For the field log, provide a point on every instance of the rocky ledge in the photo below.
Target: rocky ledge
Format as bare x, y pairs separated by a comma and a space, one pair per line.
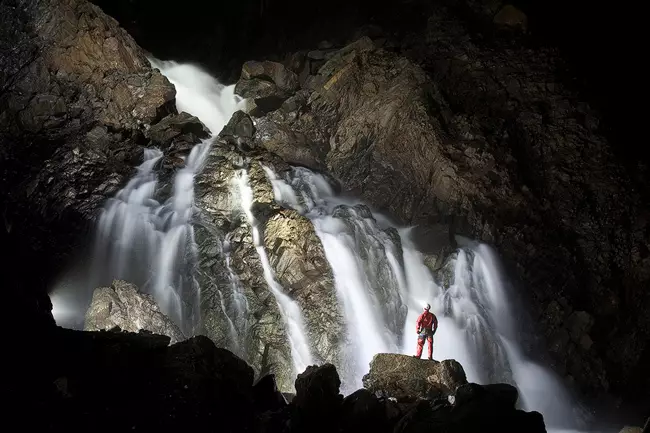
122, 381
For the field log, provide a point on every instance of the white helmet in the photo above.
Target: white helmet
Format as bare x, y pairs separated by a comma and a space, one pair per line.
427, 307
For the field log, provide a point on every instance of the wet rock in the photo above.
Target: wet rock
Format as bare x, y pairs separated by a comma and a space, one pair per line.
123, 306
292, 146
178, 131
284, 79
268, 84
239, 132
403, 377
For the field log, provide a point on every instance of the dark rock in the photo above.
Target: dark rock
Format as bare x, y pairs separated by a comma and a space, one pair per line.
268, 84
404, 377
255, 88
499, 395
362, 411
266, 396
123, 306
469, 416
177, 130
317, 400
284, 79
511, 17
239, 125
108, 376
292, 146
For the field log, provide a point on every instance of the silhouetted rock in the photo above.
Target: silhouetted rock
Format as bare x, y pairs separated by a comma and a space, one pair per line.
266, 396
404, 378
363, 411
318, 401
137, 382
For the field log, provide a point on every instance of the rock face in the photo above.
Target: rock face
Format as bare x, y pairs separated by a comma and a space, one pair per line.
77, 93
123, 306
403, 377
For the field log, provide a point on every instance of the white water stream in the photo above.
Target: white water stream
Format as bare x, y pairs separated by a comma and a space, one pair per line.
289, 309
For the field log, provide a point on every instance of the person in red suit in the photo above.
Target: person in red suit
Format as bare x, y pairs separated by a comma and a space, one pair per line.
426, 326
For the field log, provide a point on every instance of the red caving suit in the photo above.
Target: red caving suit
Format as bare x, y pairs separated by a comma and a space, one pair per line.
426, 326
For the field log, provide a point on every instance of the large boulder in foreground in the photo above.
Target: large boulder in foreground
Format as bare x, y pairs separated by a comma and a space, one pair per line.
477, 409
120, 381
405, 378
122, 305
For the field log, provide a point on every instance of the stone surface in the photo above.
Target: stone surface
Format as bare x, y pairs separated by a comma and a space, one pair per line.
122, 305
404, 377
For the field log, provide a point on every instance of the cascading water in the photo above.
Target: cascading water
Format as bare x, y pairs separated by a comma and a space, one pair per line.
151, 243
475, 316
289, 310
363, 259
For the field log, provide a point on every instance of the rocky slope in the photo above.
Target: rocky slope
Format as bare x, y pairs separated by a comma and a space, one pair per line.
118, 381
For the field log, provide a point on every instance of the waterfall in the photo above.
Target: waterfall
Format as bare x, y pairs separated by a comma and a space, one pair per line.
289, 310
364, 261
374, 279
151, 242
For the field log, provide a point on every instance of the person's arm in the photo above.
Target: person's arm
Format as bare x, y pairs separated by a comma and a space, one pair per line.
418, 324
435, 323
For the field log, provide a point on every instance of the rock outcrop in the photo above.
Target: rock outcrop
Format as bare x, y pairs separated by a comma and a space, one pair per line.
122, 305
403, 377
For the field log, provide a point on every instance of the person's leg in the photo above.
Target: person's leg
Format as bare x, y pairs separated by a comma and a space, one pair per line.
420, 346
430, 344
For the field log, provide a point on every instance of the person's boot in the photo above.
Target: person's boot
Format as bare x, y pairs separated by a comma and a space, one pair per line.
416, 357
430, 358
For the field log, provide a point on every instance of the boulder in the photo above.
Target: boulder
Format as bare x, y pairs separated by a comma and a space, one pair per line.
268, 84
122, 305
476, 409
266, 396
363, 411
177, 131
404, 377
106, 376
318, 402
